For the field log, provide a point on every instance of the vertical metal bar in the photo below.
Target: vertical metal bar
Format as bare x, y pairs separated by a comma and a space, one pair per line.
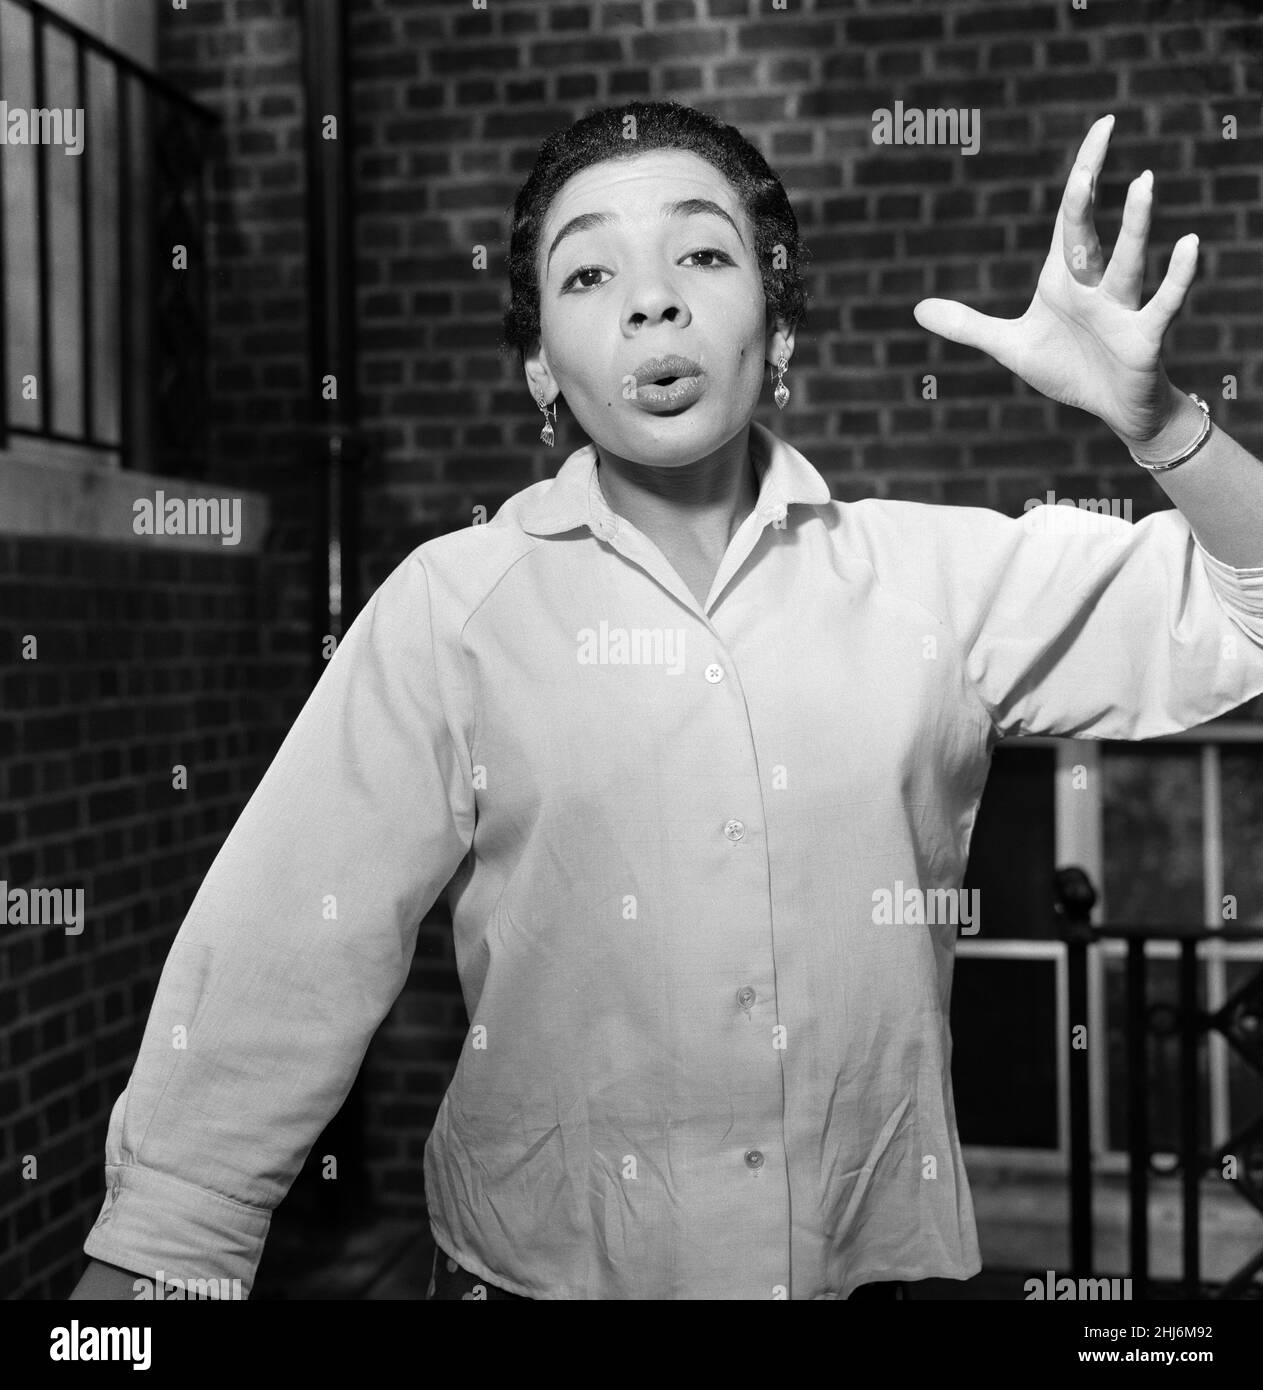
1213, 951
41, 240
86, 340
123, 106
319, 82
332, 351
1137, 1119
1190, 1115
322, 619
1080, 1134
346, 320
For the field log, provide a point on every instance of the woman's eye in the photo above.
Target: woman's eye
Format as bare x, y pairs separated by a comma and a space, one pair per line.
577, 282
583, 270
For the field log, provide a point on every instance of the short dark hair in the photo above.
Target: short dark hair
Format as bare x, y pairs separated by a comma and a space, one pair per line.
659, 125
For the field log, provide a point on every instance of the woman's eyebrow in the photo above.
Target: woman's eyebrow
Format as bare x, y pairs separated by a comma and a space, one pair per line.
683, 207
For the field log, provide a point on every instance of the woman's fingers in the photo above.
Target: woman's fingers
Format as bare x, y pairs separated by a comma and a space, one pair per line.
1170, 294
1095, 143
1125, 274
1074, 228
1080, 245
958, 322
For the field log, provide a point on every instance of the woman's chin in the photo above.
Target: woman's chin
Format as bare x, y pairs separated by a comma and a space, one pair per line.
667, 440
680, 436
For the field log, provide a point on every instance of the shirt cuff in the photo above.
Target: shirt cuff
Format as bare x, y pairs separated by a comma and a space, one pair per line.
1240, 591
159, 1226
1254, 574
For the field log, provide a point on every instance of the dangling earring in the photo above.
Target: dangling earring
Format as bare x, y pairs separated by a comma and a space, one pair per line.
546, 434
781, 394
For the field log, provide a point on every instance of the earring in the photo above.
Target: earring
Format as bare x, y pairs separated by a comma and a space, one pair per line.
546, 434
781, 394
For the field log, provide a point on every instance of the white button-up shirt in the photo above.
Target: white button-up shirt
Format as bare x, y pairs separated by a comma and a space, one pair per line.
702, 1062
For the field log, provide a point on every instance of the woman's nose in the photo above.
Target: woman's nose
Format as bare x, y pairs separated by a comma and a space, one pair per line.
655, 299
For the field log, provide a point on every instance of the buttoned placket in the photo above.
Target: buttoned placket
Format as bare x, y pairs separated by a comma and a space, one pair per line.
630, 542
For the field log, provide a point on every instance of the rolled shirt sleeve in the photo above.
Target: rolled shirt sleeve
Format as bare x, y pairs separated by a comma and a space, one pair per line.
296, 945
1095, 628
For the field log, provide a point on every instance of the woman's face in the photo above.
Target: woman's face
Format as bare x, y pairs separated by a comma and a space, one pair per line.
643, 279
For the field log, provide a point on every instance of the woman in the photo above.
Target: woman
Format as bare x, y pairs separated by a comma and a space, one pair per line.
667, 731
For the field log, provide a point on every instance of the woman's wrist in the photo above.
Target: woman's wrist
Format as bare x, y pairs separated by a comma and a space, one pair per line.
1181, 428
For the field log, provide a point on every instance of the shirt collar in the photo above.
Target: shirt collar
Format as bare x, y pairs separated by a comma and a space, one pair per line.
574, 497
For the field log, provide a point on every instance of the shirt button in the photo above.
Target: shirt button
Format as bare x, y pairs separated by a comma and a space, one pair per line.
754, 1159
746, 996
734, 830
714, 673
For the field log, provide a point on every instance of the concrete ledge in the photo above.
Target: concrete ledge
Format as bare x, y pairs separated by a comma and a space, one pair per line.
53, 491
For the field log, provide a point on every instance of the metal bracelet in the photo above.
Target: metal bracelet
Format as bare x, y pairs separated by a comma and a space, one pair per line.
1192, 448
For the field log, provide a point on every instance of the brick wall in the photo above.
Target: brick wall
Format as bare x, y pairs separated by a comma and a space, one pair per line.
146, 659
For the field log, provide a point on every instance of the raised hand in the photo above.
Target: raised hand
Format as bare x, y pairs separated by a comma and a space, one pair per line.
1085, 340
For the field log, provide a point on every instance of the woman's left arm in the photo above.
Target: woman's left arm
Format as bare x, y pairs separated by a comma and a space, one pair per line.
1085, 340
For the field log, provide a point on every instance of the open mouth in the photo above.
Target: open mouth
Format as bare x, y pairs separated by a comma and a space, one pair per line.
666, 371
668, 394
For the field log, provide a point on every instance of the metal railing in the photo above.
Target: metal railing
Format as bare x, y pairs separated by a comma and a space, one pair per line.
1239, 1020
157, 141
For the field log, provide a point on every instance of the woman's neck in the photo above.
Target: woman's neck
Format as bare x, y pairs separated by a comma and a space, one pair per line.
696, 505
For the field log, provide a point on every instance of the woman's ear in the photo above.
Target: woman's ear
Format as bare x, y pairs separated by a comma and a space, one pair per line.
780, 343
539, 378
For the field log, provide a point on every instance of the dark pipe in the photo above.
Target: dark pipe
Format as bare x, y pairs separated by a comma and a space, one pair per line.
333, 452
1074, 898
1138, 1118
1190, 1109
